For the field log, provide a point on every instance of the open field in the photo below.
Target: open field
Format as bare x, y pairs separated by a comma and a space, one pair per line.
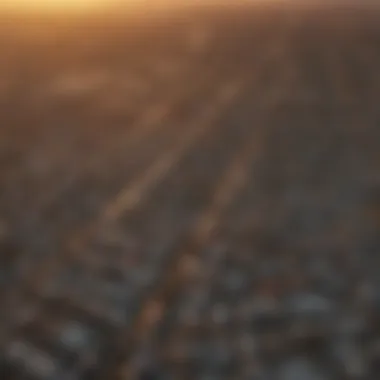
194, 196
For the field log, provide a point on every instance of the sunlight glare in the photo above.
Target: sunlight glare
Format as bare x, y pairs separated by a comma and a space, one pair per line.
53, 5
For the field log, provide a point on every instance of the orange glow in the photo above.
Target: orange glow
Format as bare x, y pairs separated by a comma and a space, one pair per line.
57, 6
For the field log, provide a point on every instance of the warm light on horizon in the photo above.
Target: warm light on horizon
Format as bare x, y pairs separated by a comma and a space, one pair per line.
83, 7
87, 6
56, 5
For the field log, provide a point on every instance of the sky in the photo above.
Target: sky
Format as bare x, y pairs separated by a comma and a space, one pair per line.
62, 6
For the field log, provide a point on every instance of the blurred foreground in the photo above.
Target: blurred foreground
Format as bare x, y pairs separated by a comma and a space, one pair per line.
191, 197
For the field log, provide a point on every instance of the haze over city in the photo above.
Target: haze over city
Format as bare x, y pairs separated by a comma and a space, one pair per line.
189, 190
